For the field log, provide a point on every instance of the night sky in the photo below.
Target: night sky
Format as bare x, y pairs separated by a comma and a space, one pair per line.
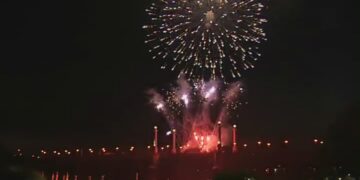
75, 73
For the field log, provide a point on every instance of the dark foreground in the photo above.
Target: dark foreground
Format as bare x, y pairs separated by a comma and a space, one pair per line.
246, 164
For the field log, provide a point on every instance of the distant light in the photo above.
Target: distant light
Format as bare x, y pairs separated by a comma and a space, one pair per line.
259, 142
234, 126
268, 144
316, 140
275, 170
132, 148
103, 149
219, 122
267, 170
77, 150
148, 147
18, 150
245, 145
167, 146
321, 142
286, 142
117, 148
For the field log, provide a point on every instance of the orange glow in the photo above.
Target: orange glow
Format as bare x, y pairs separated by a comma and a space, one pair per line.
202, 140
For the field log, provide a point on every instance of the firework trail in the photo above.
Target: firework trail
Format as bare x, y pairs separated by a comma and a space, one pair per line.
205, 39
194, 108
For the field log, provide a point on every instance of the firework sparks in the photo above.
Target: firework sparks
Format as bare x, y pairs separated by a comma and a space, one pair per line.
160, 106
168, 133
210, 92
204, 38
193, 115
185, 98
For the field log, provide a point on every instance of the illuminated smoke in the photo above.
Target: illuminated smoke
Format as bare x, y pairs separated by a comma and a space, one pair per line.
193, 108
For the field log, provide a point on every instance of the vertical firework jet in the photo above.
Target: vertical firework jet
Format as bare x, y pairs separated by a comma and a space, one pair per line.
194, 108
206, 38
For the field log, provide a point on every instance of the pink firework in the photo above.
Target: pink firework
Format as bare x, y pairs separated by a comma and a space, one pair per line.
193, 108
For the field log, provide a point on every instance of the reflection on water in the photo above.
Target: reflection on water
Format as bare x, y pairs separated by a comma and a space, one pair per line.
67, 176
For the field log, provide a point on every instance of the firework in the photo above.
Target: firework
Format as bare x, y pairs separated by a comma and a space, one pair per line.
206, 38
195, 108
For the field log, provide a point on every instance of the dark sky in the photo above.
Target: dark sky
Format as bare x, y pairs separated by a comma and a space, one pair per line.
75, 73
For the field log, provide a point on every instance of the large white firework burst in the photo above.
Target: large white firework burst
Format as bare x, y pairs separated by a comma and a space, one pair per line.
206, 38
